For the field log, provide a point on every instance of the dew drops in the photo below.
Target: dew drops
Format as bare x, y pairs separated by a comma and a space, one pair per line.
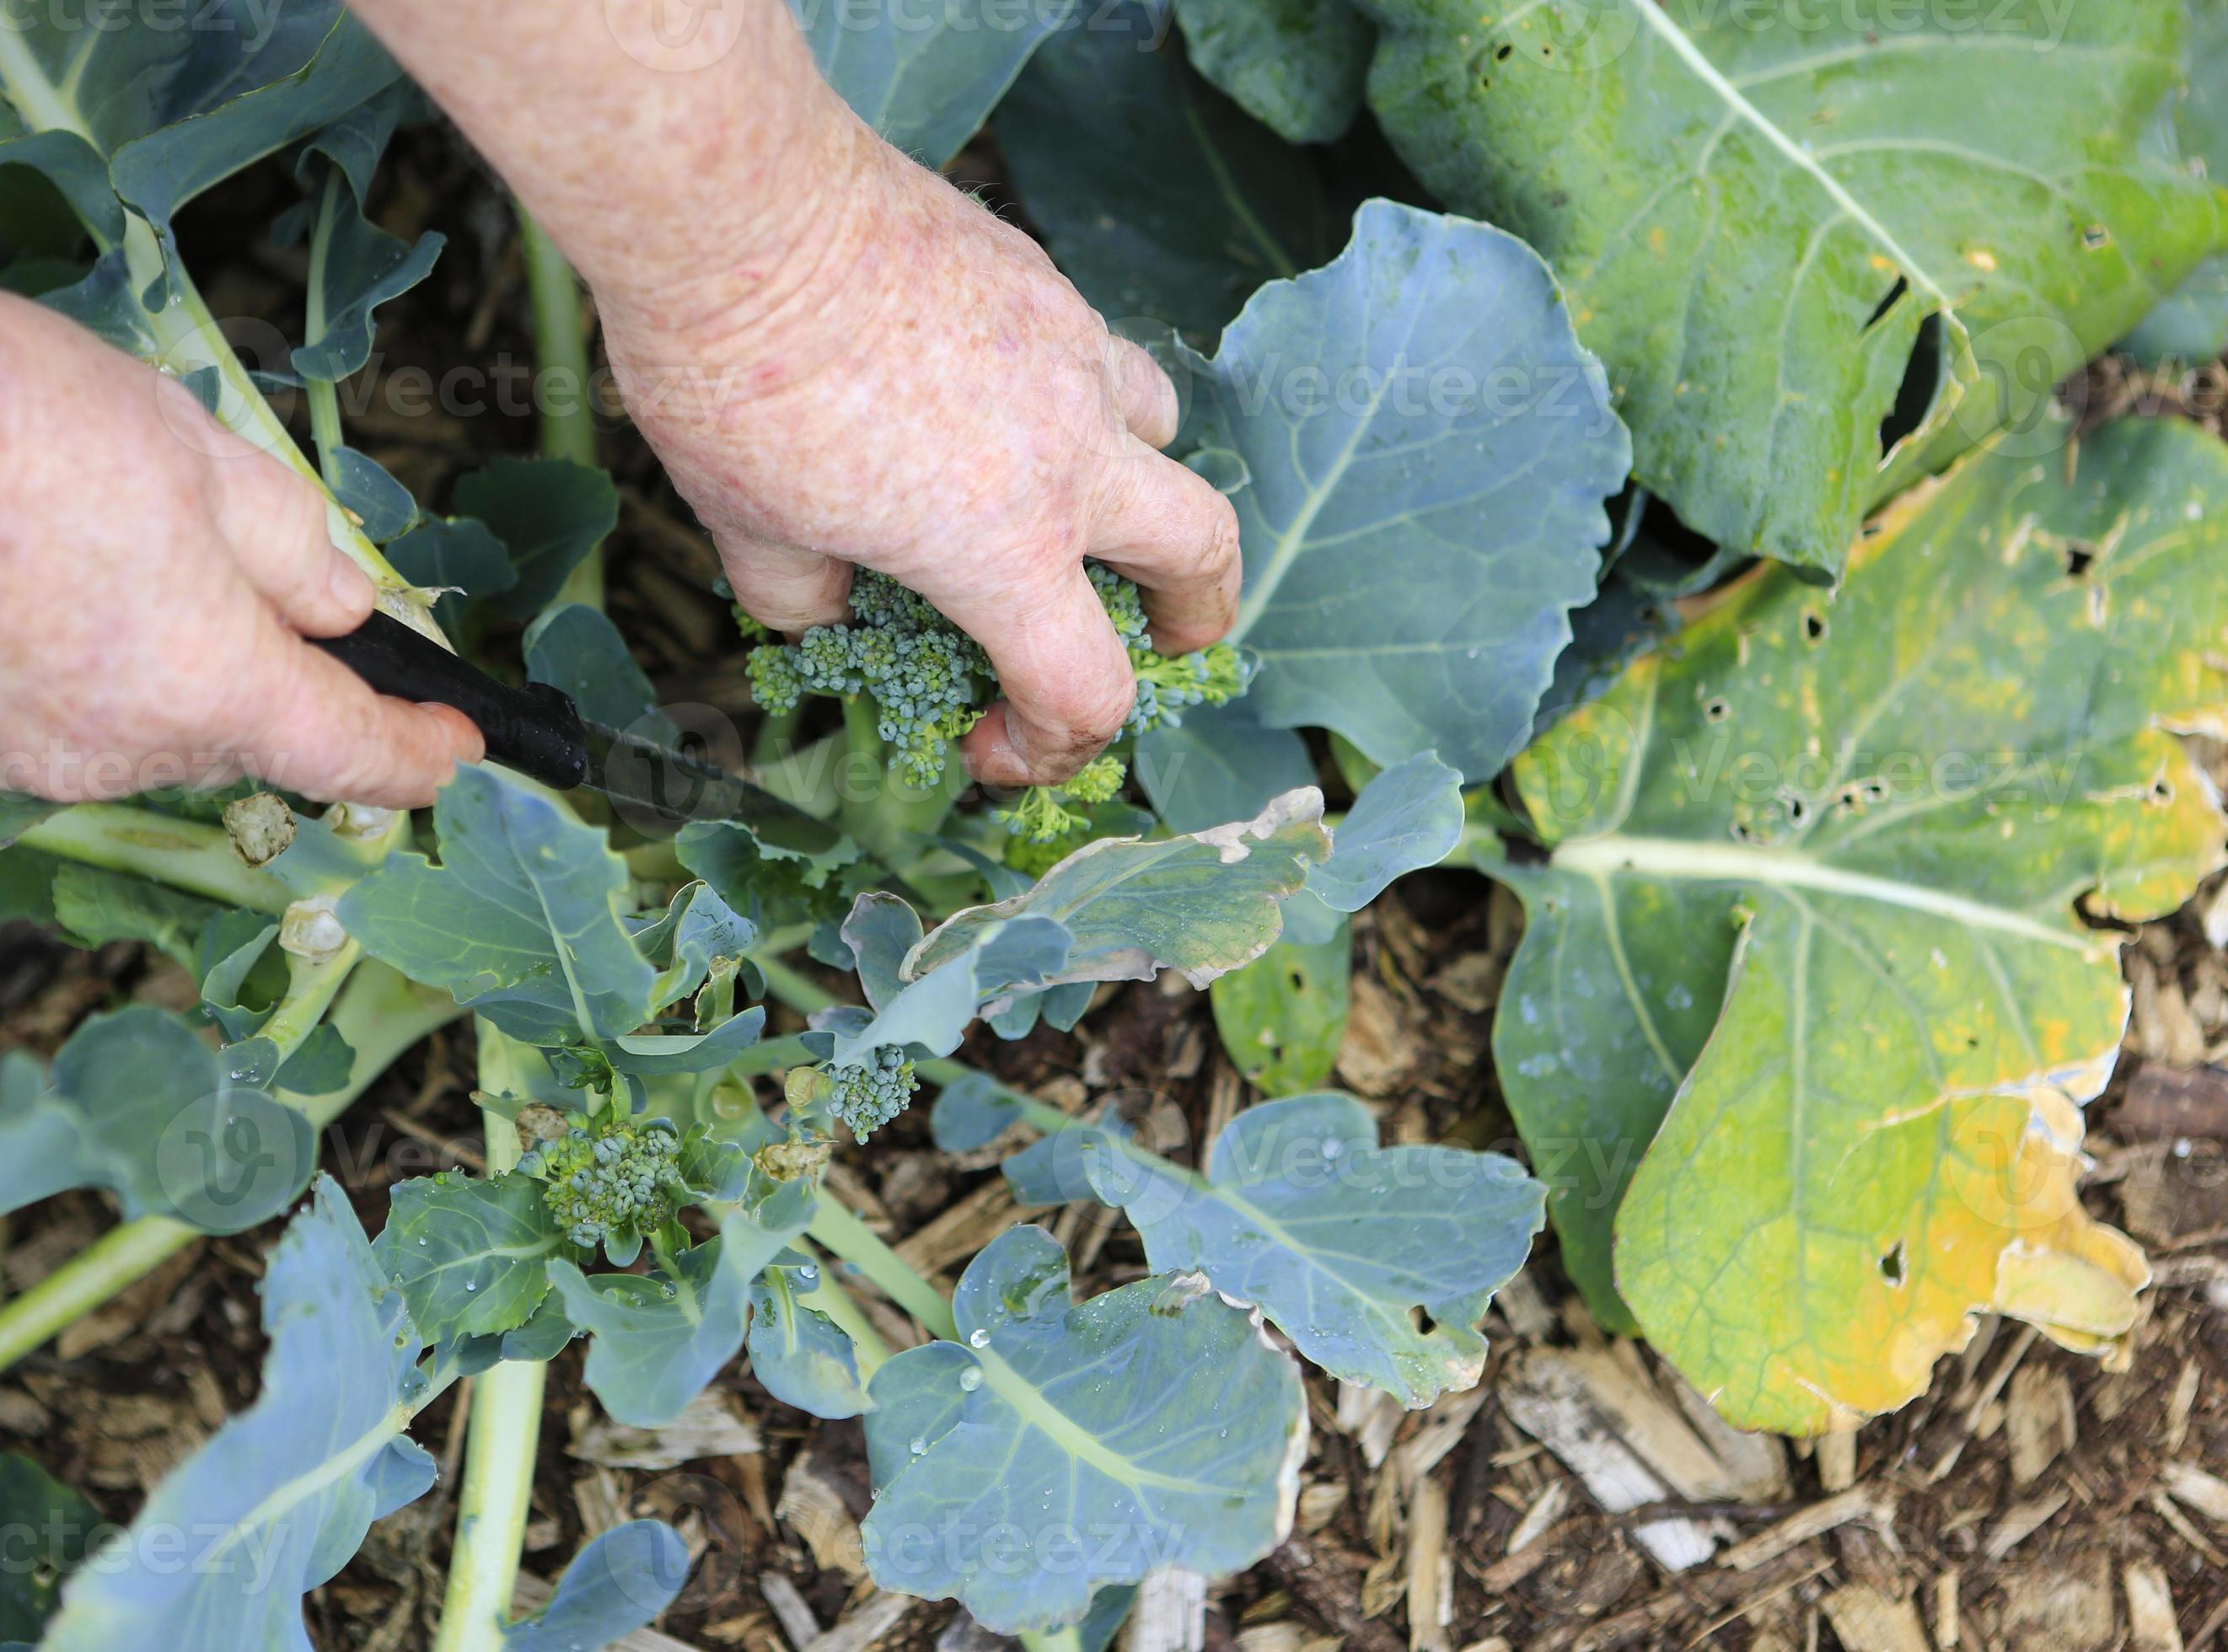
917, 1446
471, 1284
978, 1338
1333, 1148
808, 1275
970, 1380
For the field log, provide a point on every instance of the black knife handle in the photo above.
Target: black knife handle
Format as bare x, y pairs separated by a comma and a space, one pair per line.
535, 730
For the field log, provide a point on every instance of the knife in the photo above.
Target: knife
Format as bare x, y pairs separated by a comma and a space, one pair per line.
539, 731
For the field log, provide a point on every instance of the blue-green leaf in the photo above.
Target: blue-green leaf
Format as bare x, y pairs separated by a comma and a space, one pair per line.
470, 1257
549, 514
363, 484
1156, 196
1201, 904
1430, 449
1058, 1448
457, 556
1409, 817
973, 1113
1220, 763
926, 80
138, 1105
1283, 1018
796, 1350
934, 1009
576, 648
361, 267
34, 1501
618, 1585
1337, 1239
520, 921
284, 1491
660, 1338
2192, 325
1298, 66
98, 906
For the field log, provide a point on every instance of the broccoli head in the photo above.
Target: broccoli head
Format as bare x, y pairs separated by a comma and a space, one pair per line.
609, 1182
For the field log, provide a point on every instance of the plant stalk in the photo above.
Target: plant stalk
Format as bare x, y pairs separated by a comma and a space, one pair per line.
841, 1232
187, 855
561, 385
504, 1433
379, 1013
324, 398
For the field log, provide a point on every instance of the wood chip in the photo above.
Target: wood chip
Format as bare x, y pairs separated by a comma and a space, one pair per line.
1868, 1621
1431, 1572
2061, 1607
2179, 1406
1169, 1613
963, 1229
2205, 1493
812, 1505
1369, 1417
2170, 1511
2163, 1106
2038, 1421
1546, 1509
1837, 1461
1946, 1629
1875, 1505
1441, 1430
1545, 1392
711, 1427
798, 1625
2151, 1621
2021, 1521
869, 1621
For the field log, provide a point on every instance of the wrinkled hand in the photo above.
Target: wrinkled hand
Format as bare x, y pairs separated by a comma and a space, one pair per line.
910, 386
157, 575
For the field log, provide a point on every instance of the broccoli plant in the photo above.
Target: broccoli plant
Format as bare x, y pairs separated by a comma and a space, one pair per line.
1811, 985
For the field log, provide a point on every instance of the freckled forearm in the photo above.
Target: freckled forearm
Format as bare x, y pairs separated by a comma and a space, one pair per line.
657, 141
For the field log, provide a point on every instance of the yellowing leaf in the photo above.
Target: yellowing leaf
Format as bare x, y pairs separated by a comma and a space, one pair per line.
1815, 906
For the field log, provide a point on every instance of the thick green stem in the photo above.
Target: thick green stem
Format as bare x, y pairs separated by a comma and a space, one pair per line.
561, 386
187, 855
1058, 1640
324, 398
379, 1013
838, 1229
504, 1432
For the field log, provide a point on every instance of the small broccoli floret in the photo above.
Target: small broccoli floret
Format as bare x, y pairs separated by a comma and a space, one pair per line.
866, 1095
931, 682
1042, 815
610, 1182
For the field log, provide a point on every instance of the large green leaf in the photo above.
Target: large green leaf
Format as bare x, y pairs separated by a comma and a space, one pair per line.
578, 648
1824, 872
1158, 198
137, 1104
33, 1500
354, 267
1297, 65
1430, 450
796, 1351
661, 1337
1340, 1242
2192, 325
469, 1256
276, 1502
521, 920
549, 514
616, 1585
1763, 213
1283, 1018
926, 77
1058, 1448
1201, 905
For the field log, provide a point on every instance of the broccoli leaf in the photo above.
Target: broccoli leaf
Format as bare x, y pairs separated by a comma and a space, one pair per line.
549, 514
796, 1350
358, 267
1201, 904
1014, 1475
32, 1500
1429, 451
520, 921
1408, 817
1337, 1239
616, 1585
282, 1495
1220, 763
470, 1257
576, 648
1796, 238
1283, 1018
926, 81
1298, 66
138, 1105
457, 556
1816, 882
97, 906
1155, 196
660, 1338
363, 484
2192, 324
934, 1009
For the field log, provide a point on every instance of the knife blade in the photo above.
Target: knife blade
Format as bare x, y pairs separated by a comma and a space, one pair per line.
539, 731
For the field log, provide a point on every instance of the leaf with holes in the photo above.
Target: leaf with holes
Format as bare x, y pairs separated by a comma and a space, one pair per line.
1817, 882
1786, 229
1283, 1018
